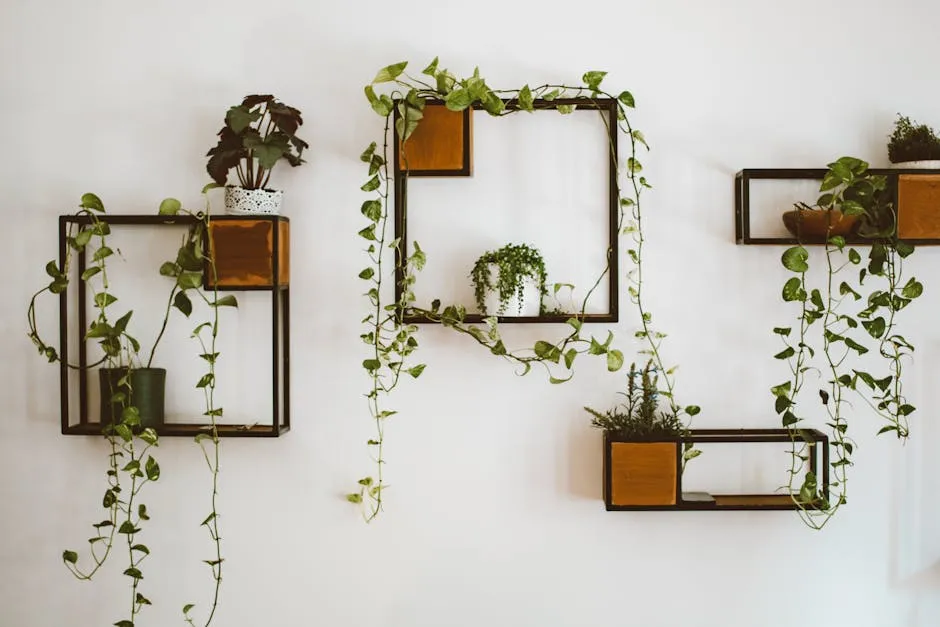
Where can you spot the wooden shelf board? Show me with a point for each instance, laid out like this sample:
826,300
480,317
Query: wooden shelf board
722,502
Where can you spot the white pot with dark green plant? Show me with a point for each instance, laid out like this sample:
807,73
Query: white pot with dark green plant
257,134
510,281
913,145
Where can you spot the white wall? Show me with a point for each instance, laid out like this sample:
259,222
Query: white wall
494,513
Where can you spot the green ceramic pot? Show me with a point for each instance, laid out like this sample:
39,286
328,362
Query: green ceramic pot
148,385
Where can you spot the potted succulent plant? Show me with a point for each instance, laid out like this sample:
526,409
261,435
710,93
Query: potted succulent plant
510,281
641,445
257,134
913,145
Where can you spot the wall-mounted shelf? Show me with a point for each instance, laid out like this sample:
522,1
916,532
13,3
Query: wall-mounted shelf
910,190
253,255
818,452
433,156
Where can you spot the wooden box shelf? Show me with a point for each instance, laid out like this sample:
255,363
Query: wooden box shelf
245,251
441,145
649,498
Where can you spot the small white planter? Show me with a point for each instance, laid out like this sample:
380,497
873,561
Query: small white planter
241,201
531,298
928,164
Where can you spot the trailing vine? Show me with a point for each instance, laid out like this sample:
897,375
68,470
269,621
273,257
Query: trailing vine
850,187
391,340
129,442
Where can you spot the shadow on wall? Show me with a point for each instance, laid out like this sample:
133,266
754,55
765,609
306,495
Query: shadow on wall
582,478
915,524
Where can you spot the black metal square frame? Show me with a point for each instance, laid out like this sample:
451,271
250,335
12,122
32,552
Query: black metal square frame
607,105
280,333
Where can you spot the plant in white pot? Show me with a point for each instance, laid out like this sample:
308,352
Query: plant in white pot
510,281
257,134
913,145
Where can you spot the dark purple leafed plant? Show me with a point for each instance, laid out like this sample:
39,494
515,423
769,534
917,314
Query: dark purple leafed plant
257,134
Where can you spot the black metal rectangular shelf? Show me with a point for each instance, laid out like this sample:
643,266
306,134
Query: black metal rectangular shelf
280,331
707,502
742,202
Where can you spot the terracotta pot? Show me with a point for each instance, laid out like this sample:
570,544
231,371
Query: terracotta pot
817,223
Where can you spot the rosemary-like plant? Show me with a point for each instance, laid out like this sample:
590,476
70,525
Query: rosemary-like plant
391,341
638,418
514,263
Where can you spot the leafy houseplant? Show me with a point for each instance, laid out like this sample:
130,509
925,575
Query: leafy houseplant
131,464
857,205
257,134
516,266
391,341
912,144
641,445
842,332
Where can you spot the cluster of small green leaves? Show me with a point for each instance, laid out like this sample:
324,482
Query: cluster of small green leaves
392,341
515,262
911,141
189,268
840,338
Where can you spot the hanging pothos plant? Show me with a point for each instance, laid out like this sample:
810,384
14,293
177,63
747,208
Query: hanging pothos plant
131,462
843,334
391,340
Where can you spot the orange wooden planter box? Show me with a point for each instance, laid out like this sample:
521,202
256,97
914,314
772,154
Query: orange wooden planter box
441,145
244,251
640,473
919,206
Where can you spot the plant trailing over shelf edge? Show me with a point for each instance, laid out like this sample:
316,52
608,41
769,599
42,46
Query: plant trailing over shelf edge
259,132
911,141
515,263
639,418
849,186
122,350
392,342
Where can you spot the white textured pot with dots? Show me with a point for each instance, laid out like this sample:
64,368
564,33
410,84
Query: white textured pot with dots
923,164
242,201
